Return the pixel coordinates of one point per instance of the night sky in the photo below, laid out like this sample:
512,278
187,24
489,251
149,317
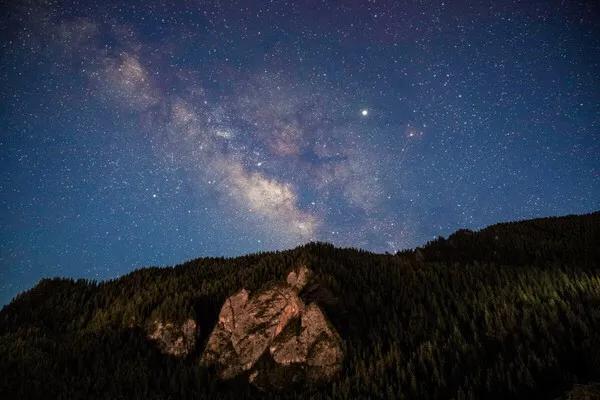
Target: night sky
148,133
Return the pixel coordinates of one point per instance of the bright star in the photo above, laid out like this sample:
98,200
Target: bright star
364,112
225,134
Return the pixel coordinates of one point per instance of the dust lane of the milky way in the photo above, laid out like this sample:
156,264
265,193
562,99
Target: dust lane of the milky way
149,132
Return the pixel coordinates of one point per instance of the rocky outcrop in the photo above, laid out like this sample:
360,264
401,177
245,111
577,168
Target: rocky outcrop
274,338
173,339
299,277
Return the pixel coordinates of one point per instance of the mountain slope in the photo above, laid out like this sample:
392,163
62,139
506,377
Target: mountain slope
511,311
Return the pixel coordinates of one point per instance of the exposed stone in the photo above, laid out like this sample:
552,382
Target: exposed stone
264,317
219,349
299,277
274,338
175,340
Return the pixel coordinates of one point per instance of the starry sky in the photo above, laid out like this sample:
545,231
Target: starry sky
146,133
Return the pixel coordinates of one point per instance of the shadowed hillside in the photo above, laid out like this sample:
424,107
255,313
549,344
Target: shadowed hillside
511,311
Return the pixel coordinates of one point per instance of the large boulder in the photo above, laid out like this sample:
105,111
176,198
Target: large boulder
174,339
274,338
299,277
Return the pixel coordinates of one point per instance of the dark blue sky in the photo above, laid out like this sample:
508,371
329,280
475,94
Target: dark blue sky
148,133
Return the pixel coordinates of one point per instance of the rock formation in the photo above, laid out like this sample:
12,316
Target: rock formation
173,339
274,338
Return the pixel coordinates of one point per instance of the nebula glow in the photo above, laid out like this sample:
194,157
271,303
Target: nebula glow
148,133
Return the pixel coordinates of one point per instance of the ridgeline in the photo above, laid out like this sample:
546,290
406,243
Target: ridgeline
508,312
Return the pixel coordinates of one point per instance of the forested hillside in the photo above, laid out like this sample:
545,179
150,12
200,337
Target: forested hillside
510,312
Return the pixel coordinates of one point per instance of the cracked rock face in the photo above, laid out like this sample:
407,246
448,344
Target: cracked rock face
274,338
176,340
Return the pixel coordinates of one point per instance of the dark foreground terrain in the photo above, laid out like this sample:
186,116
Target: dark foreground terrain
511,311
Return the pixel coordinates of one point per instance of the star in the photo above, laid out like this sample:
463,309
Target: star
317,146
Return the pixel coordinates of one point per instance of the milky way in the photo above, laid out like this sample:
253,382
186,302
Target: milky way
148,133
